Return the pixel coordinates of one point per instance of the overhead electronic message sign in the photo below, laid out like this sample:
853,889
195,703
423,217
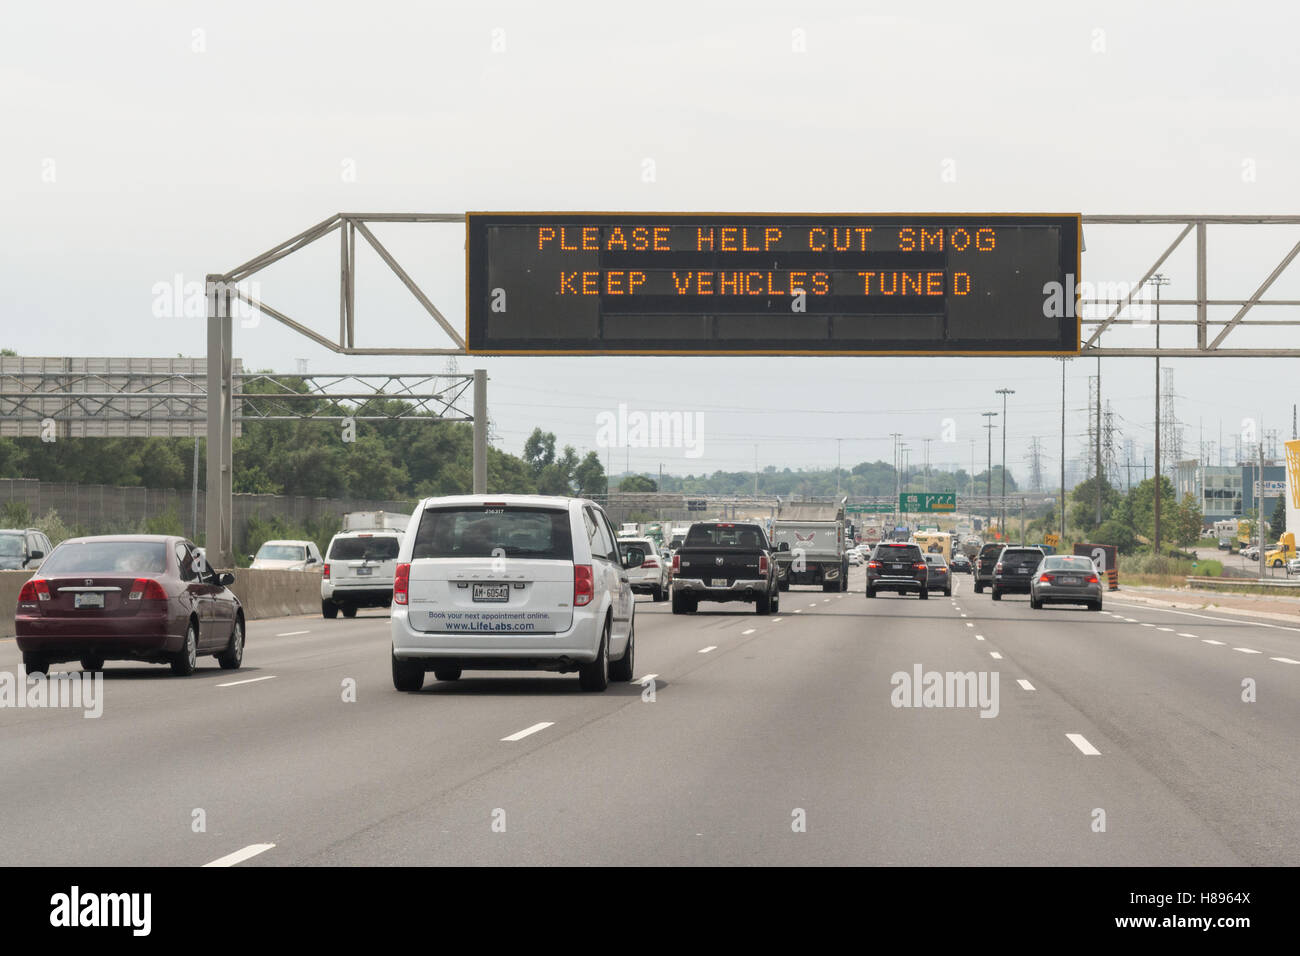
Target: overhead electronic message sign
737,284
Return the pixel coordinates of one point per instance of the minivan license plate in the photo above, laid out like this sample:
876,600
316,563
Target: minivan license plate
87,600
492,592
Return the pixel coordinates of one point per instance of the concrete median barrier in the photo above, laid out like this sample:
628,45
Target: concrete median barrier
262,593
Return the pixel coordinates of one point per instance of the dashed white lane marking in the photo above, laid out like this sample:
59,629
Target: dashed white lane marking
239,856
711,647
1145,624
1131,620
292,633
1181,634
1025,685
979,637
528,731
777,620
1221,620
965,615
995,655
798,610
1080,741
1284,660
1167,630
1206,640
828,600
1247,650
969,624
750,631
251,680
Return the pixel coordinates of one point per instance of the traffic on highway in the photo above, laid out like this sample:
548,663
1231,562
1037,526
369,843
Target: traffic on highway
503,436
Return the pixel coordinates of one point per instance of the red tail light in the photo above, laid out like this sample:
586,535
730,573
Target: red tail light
762,564
873,564
36,589
1045,579
650,563
997,568
1092,579
326,570
146,589
584,585
677,563
401,584
920,566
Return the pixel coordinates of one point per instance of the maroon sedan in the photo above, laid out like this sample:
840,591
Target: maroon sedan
143,597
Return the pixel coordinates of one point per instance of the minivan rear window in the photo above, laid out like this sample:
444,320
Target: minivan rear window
373,548
468,532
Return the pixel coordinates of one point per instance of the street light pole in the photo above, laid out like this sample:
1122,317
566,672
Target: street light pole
1061,505
1004,392
988,475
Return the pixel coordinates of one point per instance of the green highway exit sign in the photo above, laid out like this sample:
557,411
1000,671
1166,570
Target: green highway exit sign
929,501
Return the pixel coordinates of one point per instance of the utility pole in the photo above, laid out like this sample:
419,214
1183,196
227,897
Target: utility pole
1004,392
756,471
837,466
1098,439
988,479
1158,280
927,441
897,486
1259,503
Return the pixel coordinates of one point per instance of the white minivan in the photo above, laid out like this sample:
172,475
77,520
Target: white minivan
512,582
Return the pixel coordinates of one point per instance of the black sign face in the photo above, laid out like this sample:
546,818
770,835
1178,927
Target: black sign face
736,284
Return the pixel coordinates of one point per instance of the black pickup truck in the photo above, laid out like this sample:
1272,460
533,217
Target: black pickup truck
725,561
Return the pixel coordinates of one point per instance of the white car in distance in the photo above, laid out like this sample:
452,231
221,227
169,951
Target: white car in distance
287,556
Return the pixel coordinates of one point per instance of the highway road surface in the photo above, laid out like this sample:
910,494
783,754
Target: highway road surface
1136,736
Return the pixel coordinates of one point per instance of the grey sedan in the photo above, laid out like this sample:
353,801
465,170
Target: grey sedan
940,577
1065,579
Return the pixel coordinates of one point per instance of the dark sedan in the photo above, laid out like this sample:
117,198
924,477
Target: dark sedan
939,577
961,564
128,597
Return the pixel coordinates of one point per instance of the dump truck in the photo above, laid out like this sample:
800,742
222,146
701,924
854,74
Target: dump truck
811,545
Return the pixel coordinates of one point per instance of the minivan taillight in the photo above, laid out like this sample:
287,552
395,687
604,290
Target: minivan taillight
584,585
401,583
146,589
34,590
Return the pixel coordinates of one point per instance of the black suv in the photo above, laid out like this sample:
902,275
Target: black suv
984,563
1014,571
898,567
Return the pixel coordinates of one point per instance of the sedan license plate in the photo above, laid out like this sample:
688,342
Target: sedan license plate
718,582
88,600
1069,580
364,571
499,593
897,567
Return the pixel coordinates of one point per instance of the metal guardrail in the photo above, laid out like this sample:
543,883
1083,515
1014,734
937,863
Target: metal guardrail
1213,583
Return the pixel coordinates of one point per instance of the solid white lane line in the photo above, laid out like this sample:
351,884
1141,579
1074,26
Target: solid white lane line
528,731
750,631
251,680
292,633
1181,634
1206,640
239,856
705,650
1284,660
1025,684
1080,741
1247,650
995,655
1220,620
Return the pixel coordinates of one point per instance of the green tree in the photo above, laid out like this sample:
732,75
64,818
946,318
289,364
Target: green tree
589,476
1141,504
1277,524
1186,521
637,483
539,450
1083,504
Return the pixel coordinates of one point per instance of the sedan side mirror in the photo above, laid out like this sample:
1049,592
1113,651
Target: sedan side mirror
225,579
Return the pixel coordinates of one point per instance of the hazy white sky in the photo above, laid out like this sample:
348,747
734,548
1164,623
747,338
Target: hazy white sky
148,140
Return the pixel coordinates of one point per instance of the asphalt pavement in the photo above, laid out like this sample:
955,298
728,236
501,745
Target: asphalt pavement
1135,736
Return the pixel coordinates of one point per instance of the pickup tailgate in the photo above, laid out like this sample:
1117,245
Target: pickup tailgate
721,568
